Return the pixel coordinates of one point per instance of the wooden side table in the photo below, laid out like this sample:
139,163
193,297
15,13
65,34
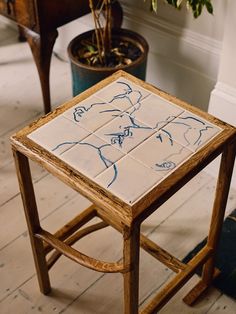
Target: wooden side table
39,20
127,147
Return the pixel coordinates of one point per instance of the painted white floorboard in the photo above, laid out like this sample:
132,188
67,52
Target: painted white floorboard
224,305
178,225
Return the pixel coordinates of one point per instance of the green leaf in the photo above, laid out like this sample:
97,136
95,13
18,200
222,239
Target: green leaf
209,7
90,48
179,3
154,5
195,5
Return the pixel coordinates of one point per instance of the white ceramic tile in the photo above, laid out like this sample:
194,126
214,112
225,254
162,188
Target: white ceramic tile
129,181
91,156
122,104
124,132
160,153
191,131
112,138
123,89
91,113
155,111
58,135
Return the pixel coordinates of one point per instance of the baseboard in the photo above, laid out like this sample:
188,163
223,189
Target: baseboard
223,102
190,49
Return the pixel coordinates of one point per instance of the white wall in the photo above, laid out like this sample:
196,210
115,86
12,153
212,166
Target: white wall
184,52
208,25
223,97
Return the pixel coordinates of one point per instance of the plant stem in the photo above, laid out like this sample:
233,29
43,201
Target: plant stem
107,29
96,30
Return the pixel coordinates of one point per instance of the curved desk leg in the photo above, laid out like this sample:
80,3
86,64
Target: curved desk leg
21,34
41,47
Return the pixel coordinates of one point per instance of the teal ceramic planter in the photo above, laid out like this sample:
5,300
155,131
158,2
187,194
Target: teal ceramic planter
84,76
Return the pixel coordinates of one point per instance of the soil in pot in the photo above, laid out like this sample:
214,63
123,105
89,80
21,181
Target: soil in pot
129,53
122,53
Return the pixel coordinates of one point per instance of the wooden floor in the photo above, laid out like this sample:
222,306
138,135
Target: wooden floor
177,226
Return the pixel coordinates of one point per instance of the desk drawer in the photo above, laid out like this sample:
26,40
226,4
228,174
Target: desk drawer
21,11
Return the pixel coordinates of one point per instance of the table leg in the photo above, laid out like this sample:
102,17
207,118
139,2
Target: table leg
42,46
221,195
131,238
32,218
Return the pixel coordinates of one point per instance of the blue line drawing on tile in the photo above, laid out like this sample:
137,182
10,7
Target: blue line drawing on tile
115,175
119,137
125,131
111,110
166,165
127,90
167,134
108,163
159,137
193,118
199,128
198,141
79,111
161,124
64,143
105,160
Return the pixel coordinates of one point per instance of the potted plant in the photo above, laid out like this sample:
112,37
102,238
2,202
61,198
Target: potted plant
100,52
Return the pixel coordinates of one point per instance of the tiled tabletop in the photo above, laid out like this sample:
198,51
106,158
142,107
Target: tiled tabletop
125,138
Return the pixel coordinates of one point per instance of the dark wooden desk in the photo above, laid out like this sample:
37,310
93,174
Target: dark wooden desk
39,20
